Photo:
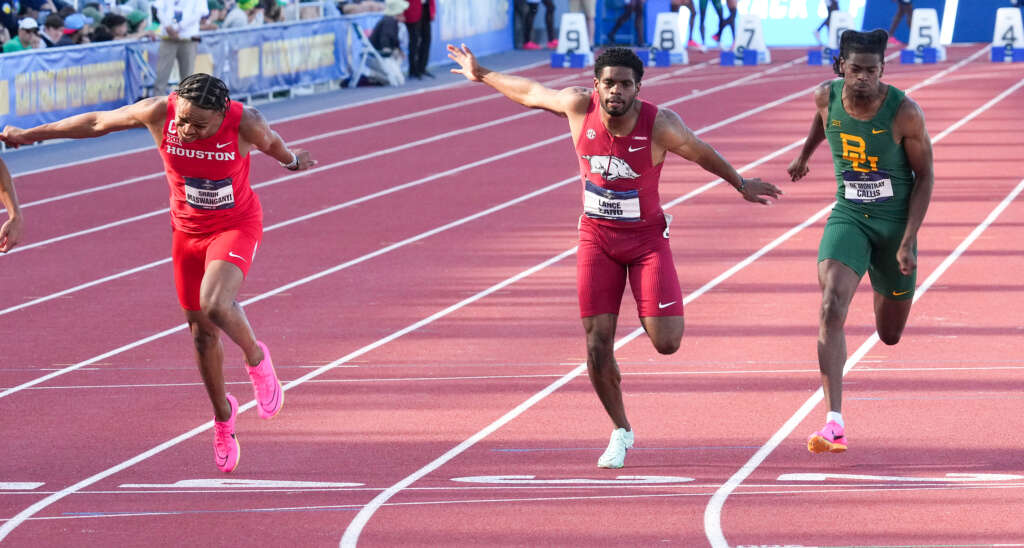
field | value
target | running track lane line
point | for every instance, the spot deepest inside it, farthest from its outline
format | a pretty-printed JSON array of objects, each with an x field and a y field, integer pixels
[
  {"x": 403, "y": 186},
  {"x": 713, "y": 512},
  {"x": 355, "y": 527},
  {"x": 27, "y": 513},
  {"x": 164, "y": 333},
  {"x": 281, "y": 120},
  {"x": 347, "y": 161}
]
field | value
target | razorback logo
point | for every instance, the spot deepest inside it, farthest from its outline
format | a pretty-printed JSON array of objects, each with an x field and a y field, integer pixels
[{"x": 611, "y": 167}]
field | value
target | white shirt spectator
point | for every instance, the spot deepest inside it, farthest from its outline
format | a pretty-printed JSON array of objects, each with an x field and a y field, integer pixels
[{"x": 182, "y": 16}]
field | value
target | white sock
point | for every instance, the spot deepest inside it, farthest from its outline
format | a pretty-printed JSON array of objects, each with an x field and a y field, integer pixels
[{"x": 833, "y": 416}]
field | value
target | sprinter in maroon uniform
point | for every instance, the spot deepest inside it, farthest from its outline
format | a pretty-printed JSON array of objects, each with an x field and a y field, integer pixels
[
  {"x": 204, "y": 139},
  {"x": 621, "y": 144}
]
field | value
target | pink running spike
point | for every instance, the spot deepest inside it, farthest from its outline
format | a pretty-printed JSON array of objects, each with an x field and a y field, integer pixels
[
  {"x": 830, "y": 439},
  {"x": 265, "y": 386},
  {"x": 226, "y": 451}
]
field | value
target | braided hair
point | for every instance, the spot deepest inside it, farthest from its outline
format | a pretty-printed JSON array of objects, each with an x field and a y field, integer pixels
[
  {"x": 619, "y": 57},
  {"x": 204, "y": 91},
  {"x": 853, "y": 41}
]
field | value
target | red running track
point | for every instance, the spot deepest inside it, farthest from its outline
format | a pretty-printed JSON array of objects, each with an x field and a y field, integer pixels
[{"x": 430, "y": 339}]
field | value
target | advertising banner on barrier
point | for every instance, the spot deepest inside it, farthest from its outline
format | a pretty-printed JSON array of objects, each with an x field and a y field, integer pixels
[
  {"x": 272, "y": 57},
  {"x": 43, "y": 86}
]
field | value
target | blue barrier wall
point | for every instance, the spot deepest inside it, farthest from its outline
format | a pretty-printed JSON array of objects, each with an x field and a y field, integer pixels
[
  {"x": 483, "y": 25},
  {"x": 881, "y": 12}
]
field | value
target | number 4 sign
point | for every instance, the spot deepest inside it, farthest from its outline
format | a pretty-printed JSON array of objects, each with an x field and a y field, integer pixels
[{"x": 1009, "y": 30}]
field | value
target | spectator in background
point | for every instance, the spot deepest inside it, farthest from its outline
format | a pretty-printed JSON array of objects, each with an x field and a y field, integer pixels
[
  {"x": 589, "y": 10},
  {"x": 632, "y": 7},
  {"x": 9, "y": 18},
  {"x": 386, "y": 38},
  {"x": 27, "y": 38},
  {"x": 417, "y": 20},
  {"x": 76, "y": 30},
  {"x": 549, "y": 24},
  {"x": 904, "y": 8},
  {"x": 215, "y": 18},
  {"x": 243, "y": 14},
  {"x": 117, "y": 24},
  {"x": 53, "y": 30},
  {"x": 179, "y": 39},
  {"x": 351, "y": 7},
  {"x": 101, "y": 33},
  {"x": 272, "y": 12},
  {"x": 92, "y": 14}
]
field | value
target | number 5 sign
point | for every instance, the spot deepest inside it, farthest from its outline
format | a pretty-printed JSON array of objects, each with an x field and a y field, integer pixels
[{"x": 924, "y": 33}]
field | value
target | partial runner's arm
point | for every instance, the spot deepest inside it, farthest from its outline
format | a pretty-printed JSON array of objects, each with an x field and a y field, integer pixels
[
  {"x": 92, "y": 124},
  {"x": 909, "y": 124},
  {"x": 524, "y": 91},
  {"x": 10, "y": 230},
  {"x": 672, "y": 135},
  {"x": 798, "y": 167},
  {"x": 255, "y": 131}
]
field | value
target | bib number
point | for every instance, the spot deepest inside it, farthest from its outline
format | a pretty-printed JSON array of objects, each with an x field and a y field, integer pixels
[
  {"x": 602, "y": 203},
  {"x": 867, "y": 187},
  {"x": 207, "y": 194}
]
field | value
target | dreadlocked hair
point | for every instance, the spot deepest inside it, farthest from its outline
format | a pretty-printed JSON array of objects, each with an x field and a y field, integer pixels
[
  {"x": 204, "y": 91},
  {"x": 853, "y": 41},
  {"x": 619, "y": 57}
]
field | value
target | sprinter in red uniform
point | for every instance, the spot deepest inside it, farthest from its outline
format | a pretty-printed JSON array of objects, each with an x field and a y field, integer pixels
[
  {"x": 621, "y": 144},
  {"x": 204, "y": 139}
]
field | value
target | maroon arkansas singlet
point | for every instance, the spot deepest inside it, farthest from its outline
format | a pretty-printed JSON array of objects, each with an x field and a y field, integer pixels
[{"x": 620, "y": 183}]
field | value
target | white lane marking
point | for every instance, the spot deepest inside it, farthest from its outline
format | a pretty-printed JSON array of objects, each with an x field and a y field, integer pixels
[
  {"x": 763, "y": 490},
  {"x": 713, "y": 512},
  {"x": 230, "y": 483},
  {"x": 954, "y": 477},
  {"x": 617, "y": 480},
  {"x": 20, "y": 485}
]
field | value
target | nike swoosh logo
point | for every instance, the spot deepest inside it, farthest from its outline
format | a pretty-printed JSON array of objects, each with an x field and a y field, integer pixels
[
  {"x": 666, "y": 305},
  {"x": 236, "y": 255},
  {"x": 898, "y": 293},
  {"x": 222, "y": 145},
  {"x": 877, "y": 131},
  {"x": 631, "y": 149}
]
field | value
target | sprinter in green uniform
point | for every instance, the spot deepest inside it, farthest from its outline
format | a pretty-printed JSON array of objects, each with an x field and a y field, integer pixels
[{"x": 883, "y": 165}]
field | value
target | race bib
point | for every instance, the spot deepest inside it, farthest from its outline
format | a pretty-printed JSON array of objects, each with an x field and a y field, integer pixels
[
  {"x": 207, "y": 194},
  {"x": 865, "y": 187},
  {"x": 602, "y": 203}
]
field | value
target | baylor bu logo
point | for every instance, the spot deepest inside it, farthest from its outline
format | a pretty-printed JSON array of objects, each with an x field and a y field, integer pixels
[{"x": 854, "y": 150}]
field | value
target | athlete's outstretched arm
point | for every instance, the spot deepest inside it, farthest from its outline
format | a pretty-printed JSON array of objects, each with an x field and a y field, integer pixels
[
  {"x": 524, "y": 91},
  {"x": 798, "y": 167},
  {"x": 909, "y": 123},
  {"x": 10, "y": 231},
  {"x": 90, "y": 124},
  {"x": 255, "y": 131},
  {"x": 672, "y": 135}
]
